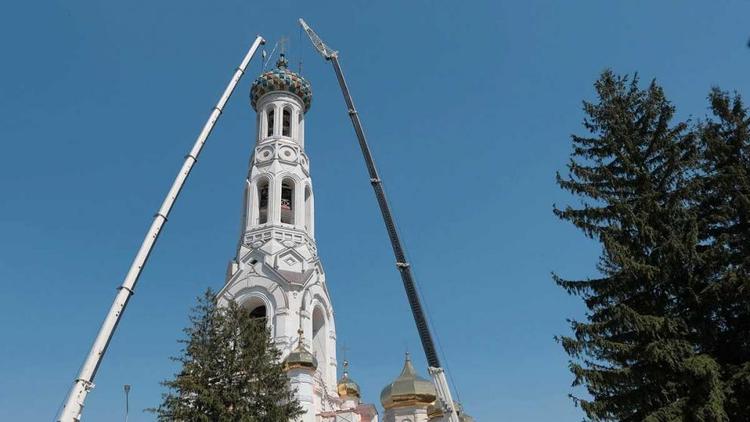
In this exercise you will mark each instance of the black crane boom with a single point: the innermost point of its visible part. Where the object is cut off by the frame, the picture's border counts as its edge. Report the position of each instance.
(377, 185)
(436, 371)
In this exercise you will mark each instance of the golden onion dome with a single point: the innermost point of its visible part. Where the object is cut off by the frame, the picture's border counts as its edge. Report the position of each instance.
(463, 417)
(435, 412)
(300, 357)
(409, 389)
(346, 386)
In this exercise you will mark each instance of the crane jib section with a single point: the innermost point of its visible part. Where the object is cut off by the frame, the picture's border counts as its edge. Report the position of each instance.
(377, 185)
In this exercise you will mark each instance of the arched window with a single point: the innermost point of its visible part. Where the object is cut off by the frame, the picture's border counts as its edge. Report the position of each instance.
(257, 309)
(258, 312)
(286, 122)
(270, 119)
(287, 201)
(319, 339)
(262, 201)
(308, 208)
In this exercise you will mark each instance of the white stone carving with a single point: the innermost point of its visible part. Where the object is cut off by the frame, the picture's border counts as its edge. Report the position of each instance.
(277, 264)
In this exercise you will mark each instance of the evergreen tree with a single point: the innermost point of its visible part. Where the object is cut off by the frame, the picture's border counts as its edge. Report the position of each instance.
(230, 370)
(724, 207)
(636, 353)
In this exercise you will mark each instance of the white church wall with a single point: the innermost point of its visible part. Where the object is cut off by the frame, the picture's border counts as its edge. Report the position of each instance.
(406, 414)
(277, 262)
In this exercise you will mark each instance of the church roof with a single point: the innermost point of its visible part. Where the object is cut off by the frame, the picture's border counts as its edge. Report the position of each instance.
(409, 389)
(281, 79)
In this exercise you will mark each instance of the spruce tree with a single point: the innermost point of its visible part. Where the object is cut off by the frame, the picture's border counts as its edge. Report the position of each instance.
(724, 209)
(230, 370)
(636, 351)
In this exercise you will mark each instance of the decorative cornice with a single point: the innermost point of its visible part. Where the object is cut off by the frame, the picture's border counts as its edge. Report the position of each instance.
(265, 233)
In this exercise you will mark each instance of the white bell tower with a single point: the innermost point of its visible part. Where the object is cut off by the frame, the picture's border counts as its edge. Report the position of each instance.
(277, 273)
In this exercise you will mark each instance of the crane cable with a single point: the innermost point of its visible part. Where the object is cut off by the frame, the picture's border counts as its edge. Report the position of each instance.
(299, 55)
(268, 59)
(428, 313)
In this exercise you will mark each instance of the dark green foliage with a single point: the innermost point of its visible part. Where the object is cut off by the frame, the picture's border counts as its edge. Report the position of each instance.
(230, 371)
(638, 352)
(724, 210)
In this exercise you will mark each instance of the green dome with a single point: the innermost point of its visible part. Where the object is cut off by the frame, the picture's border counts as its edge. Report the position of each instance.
(281, 79)
(409, 389)
(300, 357)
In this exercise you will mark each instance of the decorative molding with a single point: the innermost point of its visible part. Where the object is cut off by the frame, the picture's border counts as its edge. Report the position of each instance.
(279, 262)
(257, 237)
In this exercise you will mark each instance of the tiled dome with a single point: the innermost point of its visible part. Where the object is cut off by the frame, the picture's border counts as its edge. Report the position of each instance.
(281, 79)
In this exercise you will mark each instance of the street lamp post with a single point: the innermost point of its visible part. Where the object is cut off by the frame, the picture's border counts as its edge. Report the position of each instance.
(127, 401)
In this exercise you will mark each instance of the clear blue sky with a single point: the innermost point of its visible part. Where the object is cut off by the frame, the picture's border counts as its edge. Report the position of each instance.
(468, 106)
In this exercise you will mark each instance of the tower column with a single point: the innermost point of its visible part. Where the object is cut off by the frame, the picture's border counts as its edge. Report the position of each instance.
(299, 204)
(301, 366)
(251, 198)
(303, 382)
(277, 265)
(276, 202)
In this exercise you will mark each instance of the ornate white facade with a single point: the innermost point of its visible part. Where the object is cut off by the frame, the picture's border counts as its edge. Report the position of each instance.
(277, 273)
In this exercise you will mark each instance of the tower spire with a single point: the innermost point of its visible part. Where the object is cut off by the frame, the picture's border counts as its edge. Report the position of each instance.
(301, 334)
(282, 62)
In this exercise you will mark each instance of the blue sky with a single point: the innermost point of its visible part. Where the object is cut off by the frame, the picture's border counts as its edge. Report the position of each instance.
(468, 107)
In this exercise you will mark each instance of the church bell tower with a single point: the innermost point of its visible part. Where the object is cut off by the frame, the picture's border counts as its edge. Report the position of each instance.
(277, 273)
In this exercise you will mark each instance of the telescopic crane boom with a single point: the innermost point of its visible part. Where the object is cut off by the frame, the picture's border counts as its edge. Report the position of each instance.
(84, 383)
(436, 371)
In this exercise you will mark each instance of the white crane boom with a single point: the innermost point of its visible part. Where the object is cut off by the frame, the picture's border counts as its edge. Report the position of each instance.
(84, 383)
(436, 371)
